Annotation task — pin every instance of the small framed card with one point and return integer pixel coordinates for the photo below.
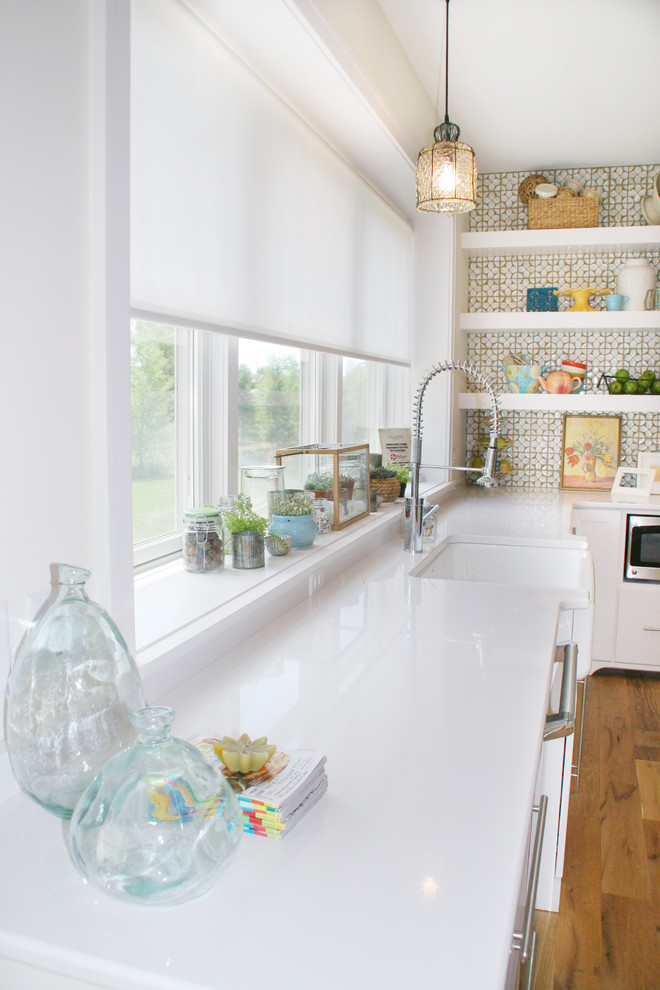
(395, 446)
(642, 491)
(652, 461)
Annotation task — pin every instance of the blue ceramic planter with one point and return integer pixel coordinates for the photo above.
(301, 529)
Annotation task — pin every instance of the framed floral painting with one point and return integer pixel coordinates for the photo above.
(590, 450)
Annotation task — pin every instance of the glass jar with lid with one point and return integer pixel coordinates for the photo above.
(202, 542)
(321, 515)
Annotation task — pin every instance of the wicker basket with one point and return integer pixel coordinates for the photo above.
(388, 488)
(528, 185)
(556, 214)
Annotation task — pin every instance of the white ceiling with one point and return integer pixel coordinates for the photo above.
(532, 84)
(541, 83)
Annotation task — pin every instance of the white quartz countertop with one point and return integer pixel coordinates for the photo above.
(428, 698)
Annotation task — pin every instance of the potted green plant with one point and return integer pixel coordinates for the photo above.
(292, 516)
(346, 485)
(384, 482)
(321, 484)
(247, 530)
(402, 471)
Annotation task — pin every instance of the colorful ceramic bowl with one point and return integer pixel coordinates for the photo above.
(523, 378)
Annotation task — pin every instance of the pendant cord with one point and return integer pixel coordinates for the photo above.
(447, 64)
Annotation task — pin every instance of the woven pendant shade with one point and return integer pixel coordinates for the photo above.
(446, 178)
(447, 169)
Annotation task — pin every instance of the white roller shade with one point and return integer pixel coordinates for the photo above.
(242, 217)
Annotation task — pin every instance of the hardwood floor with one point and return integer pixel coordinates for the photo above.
(606, 935)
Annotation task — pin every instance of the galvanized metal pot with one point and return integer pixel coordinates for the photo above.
(247, 550)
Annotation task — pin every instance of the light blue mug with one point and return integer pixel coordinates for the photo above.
(615, 301)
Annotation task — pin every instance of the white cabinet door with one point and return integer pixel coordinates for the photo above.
(554, 779)
(603, 529)
(638, 629)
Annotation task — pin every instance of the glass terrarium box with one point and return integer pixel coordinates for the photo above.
(336, 472)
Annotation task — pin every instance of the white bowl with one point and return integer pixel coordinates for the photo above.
(573, 185)
(546, 190)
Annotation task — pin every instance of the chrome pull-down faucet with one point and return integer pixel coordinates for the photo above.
(414, 514)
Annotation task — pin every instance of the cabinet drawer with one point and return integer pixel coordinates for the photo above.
(638, 628)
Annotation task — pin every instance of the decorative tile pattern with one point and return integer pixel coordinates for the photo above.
(621, 187)
(500, 285)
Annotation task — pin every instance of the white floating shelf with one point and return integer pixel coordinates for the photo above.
(595, 240)
(540, 402)
(558, 322)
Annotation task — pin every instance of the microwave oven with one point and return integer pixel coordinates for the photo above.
(642, 549)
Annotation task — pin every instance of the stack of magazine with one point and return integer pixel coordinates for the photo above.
(272, 800)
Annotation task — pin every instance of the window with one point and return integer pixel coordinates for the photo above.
(374, 394)
(160, 359)
(269, 400)
(204, 404)
(354, 400)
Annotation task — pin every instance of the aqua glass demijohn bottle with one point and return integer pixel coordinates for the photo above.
(70, 692)
(158, 822)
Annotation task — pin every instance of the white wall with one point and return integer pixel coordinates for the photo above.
(57, 280)
(433, 260)
(45, 495)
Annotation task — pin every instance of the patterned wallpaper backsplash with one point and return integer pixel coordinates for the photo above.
(621, 187)
(499, 284)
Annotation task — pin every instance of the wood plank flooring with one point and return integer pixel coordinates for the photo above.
(606, 935)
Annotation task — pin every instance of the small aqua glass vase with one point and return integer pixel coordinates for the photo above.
(70, 692)
(158, 822)
(302, 529)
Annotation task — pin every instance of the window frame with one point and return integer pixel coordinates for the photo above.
(206, 404)
(167, 545)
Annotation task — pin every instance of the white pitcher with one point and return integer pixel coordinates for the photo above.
(634, 281)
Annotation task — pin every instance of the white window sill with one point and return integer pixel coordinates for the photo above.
(185, 621)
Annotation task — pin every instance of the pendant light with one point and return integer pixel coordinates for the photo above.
(447, 169)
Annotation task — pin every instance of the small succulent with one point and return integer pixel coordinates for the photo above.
(318, 482)
(243, 755)
(382, 473)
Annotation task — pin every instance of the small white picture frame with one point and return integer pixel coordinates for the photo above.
(395, 445)
(652, 461)
(642, 492)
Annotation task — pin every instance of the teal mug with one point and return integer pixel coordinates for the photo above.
(615, 301)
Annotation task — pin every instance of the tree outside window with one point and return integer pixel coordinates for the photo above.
(268, 401)
(153, 430)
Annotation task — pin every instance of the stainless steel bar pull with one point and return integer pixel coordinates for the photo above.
(523, 940)
(563, 723)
